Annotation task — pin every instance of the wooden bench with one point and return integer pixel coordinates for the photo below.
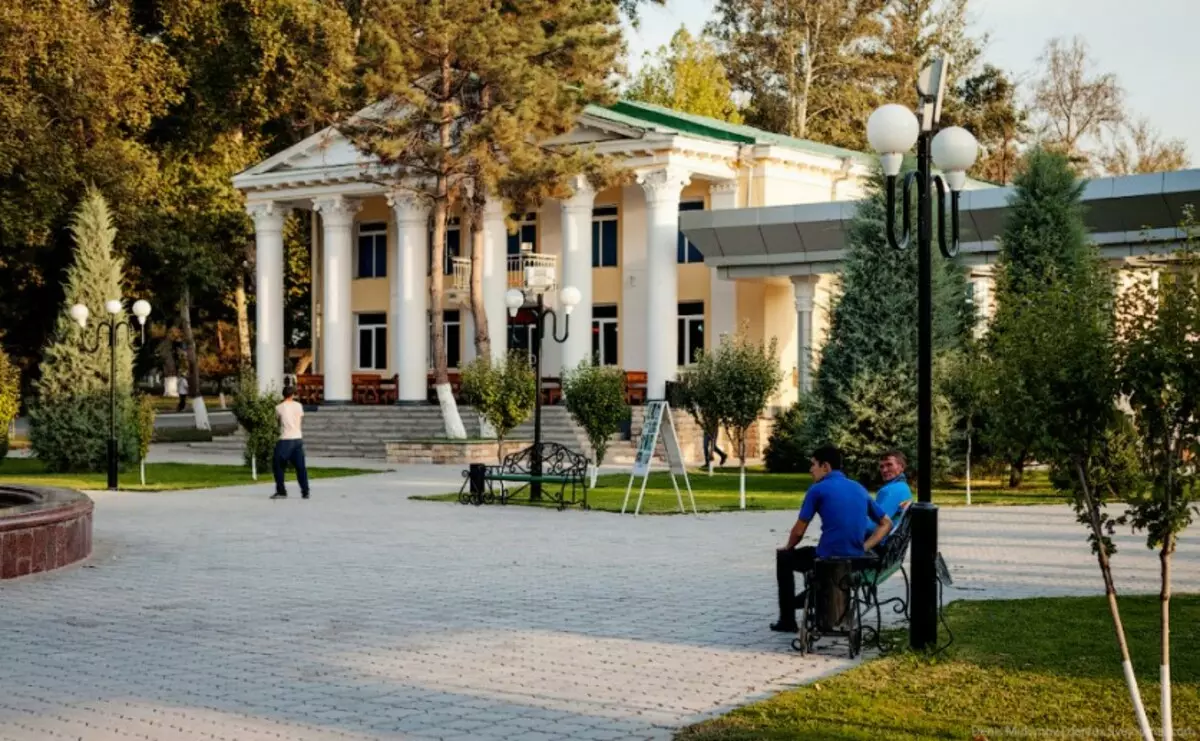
(455, 380)
(310, 389)
(365, 388)
(635, 387)
(551, 390)
(560, 466)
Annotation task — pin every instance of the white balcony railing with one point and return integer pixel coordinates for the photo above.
(528, 271)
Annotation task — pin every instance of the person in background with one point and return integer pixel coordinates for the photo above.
(183, 394)
(840, 502)
(290, 448)
(710, 445)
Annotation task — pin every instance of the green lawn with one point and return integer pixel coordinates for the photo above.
(766, 491)
(159, 476)
(1040, 668)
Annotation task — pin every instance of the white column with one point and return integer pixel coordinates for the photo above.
(269, 345)
(804, 287)
(495, 276)
(337, 219)
(409, 295)
(577, 270)
(723, 308)
(662, 189)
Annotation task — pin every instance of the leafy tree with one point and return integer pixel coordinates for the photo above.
(700, 390)
(1137, 148)
(10, 397)
(871, 355)
(468, 91)
(1043, 249)
(255, 412)
(595, 397)
(987, 106)
(750, 375)
(1159, 318)
(504, 394)
(687, 75)
(80, 89)
(802, 62)
(963, 383)
(1073, 104)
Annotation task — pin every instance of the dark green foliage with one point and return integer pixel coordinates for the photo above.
(69, 433)
(788, 450)
(865, 388)
(255, 412)
(595, 397)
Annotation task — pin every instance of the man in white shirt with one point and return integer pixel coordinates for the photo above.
(290, 448)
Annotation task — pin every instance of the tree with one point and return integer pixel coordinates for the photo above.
(69, 419)
(750, 375)
(255, 412)
(1074, 105)
(463, 113)
(504, 394)
(595, 397)
(701, 393)
(1043, 249)
(987, 106)
(871, 354)
(80, 89)
(1158, 347)
(914, 33)
(10, 397)
(687, 75)
(1137, 148)
(801, 62)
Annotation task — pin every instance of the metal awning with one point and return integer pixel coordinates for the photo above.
(1127, 216)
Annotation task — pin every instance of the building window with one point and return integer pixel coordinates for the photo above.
(685, 251)
(604, 335)
(372, 249)
(452, 327)
(526, 232)
(604, 237)
(372, 342)
(691, 332)
(453, 244)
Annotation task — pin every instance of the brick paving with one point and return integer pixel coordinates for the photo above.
(362, 615)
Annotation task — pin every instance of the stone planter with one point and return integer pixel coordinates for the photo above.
(450, 452)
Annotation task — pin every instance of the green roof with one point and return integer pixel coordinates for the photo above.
(638, 115)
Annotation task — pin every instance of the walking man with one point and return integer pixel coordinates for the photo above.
(290, 448)
(183, 393)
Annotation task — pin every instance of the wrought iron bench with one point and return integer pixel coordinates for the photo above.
(848, 588)
(562, 468)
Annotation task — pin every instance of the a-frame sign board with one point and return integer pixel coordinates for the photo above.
(651, 431)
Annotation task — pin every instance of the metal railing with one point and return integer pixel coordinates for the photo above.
(527, 271)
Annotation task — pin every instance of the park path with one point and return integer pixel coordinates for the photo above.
(362, 614)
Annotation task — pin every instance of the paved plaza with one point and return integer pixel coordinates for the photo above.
(361, 614)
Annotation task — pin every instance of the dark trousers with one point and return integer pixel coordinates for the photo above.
(787, 563)
(290, 451)
(182, 403)
(710, 446)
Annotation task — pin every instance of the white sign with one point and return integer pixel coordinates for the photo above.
(652, 427)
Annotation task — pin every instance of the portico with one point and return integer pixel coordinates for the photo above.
(649, 299)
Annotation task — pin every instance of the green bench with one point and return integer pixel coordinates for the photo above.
(560, 467)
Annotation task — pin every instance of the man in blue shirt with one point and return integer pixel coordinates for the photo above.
(894, 496)
(841, 504)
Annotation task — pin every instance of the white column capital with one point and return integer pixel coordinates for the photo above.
(408, 207)
(337, 210)
(723, 188)
(664, 184)
(268, 216)
(805, 289)
(583, 198)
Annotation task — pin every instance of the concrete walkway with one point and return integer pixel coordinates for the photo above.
(363, 614)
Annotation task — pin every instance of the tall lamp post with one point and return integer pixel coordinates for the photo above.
(892, 130)
(515, 300)
(79, 312)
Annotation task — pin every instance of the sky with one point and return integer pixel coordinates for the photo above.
(1159, 67)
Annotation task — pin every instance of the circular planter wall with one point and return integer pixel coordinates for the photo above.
(42, 528)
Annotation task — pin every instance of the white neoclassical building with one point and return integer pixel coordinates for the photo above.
(649, 302)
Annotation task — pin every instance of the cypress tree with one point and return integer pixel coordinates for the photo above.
(864, 396)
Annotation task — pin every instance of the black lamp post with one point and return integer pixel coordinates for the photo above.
(514, 300)
(892, 131)
(79, 312)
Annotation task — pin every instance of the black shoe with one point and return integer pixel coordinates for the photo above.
(723, 461)
(304, 495)
(279, 495)
(785, 627)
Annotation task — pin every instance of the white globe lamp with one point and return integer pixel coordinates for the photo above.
(570, 298)
(954, 152)
(141, 309)
(112, 306)
(514, 300)
(892, 130)
(79, 313)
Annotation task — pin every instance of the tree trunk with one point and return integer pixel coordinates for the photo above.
(441, 203)
(475, 206)
(166, 351)
(1016, 473)
(185, 317)
(243, 318)
(1164, 597)
(968, 468)
(1110, 591)
(742, 458)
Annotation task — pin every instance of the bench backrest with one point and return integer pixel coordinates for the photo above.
(557, 460)
(896, 544)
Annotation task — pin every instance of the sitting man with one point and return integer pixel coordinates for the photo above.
(841, 503)
(894, 496)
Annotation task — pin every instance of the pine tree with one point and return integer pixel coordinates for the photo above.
(1043, 250)
(69, 420)
(92, 279)
(865, 389)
